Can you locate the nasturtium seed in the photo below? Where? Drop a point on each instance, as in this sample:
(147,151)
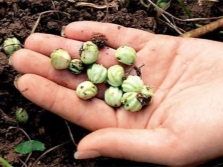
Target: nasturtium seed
(21,115)
(113,96)
(60,59)
(97,73)
(147,91)
(115,75)
(131,102)
(86,90)
(89,52)
(76,66)
(125,55)
(133,83)
(10,45)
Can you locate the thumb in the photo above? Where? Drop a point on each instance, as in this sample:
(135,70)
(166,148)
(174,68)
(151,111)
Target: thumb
(144,145)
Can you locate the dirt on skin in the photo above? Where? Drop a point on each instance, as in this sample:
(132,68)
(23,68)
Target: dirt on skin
(17,19)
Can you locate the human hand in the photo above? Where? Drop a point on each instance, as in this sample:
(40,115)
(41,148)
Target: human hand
(181,127)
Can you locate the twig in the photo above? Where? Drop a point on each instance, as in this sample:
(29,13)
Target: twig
(172,25)
(183,20)
(91,5)
(143,4)
(27,158)
(70,133)
(107,13)
(161,13)
(113,4)
(23,163)
(12,127)
(6,117)
(46,152)
(204,29)
(38,20)
(54,8)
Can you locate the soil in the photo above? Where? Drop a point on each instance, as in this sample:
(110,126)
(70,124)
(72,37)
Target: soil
(18,17)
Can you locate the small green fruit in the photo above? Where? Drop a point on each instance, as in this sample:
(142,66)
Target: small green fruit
(113,96)
(22,115)
(125,55)
(76,66)
(147,91)
(132,84)
(145,96)
(115,75)
(89,52)
(131,102)
(97,73)
(60,59)
(86,90)
(11,45)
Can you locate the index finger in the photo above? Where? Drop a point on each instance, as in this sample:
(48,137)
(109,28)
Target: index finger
(117,35)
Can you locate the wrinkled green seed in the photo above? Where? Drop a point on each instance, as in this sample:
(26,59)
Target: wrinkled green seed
(147,91)
(76,66)
(115,75)
(113,96)
(97,73)
(132,84)
(125,55)
(86,90)
(60,59)
(130,102)
(89,52)
(21,115)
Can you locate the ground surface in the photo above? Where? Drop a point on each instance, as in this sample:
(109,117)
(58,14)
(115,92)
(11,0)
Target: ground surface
(17,18)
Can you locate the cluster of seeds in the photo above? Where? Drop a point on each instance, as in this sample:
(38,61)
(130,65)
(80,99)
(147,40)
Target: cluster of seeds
(128,90)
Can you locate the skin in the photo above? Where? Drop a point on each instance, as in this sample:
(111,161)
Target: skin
(181,127)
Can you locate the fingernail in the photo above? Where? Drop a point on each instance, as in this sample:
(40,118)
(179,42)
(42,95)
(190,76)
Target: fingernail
(62,31)
(86,154)
(16,80)
(10,60)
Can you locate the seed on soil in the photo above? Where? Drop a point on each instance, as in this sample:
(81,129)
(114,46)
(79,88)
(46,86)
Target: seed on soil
(11,45)
(21,115)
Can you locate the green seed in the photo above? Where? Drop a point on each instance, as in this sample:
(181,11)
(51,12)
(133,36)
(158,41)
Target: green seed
(131,102)
(21,115)
(113,96)
(76,66)
(11,45)
(115,75)
(132,84)
(89,52)
(125,55)
(86,90)
(147,91)
(97,73)
(60,59)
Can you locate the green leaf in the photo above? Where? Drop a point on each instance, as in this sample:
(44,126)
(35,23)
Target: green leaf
(30,146)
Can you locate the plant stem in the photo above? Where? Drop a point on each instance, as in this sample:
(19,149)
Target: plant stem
(185,8)
(4,162)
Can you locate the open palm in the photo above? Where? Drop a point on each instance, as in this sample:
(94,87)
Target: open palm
(182,126)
